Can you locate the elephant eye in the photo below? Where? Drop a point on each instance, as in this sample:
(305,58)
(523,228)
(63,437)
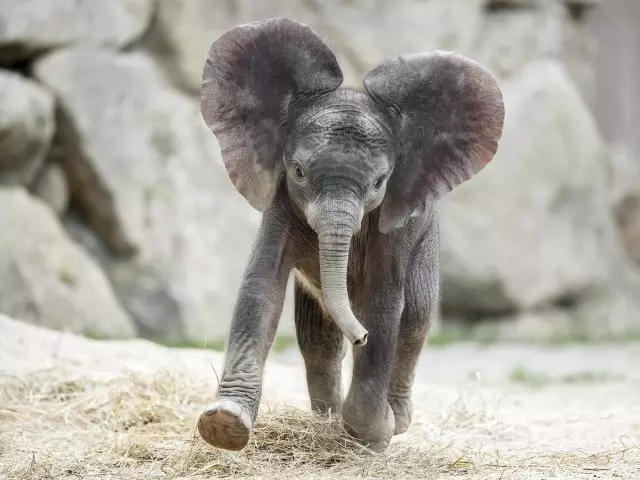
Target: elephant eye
(379,181)
(298,171)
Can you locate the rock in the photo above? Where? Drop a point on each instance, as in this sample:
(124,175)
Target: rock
(185,30)
(140,289)
(616,104)
(53,188)
(147,174)
(516,32)
(528,230)
(623,170)
(503,35)
(46,279)
(29,27)
(599,321)
(26,127)
(519,32)
(493,5)
(628,217)
(156,310)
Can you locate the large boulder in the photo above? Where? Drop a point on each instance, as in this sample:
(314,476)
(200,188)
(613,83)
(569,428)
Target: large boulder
(28,27)
(516,32)
(147,175)
(185,30)
(26,127)
(528,230)
(623,175)
(616,104)
(52,187)
(504,35)
(48,280)
(628,216)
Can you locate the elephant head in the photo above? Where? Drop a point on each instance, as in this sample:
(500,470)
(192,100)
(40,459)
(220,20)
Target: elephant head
(425,124)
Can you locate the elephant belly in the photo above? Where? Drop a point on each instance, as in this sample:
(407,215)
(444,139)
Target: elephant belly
(315,291)
(310,287)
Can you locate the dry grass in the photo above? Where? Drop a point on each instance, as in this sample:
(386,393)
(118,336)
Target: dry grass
(54,424)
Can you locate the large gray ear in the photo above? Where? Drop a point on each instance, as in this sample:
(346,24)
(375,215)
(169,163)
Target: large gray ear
(256,77)
(447,114)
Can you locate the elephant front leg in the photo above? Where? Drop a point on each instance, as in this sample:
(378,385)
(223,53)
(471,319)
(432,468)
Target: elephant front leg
(227,423)
(412,335)
(421,299)
(366,411)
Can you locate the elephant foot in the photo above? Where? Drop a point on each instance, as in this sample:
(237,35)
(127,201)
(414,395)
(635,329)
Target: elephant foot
(402,412)
(225,424)
(376,437)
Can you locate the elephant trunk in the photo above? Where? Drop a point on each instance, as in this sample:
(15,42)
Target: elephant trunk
(335,225)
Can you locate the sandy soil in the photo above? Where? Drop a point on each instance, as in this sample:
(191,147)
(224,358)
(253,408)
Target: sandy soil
(500,412)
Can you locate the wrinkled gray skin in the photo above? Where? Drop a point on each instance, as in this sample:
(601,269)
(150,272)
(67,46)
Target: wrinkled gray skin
(348,183)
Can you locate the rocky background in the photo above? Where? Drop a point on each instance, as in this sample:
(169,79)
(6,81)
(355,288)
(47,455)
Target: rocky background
(119,220)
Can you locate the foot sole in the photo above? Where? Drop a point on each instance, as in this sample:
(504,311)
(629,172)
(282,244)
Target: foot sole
(225,424)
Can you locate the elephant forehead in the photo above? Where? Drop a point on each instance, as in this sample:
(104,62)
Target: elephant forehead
(333,162)
(347,123)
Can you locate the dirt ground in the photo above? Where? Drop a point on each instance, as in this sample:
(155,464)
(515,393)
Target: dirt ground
(71,407)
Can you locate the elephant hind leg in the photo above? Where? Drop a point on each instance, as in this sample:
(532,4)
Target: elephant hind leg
(322,346)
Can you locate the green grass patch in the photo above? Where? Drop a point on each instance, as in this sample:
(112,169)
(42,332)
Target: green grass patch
(581,337)
(489,334)
(528,377)
(67,278)
(281,343)
(591,377)
(453,335)
(217,345)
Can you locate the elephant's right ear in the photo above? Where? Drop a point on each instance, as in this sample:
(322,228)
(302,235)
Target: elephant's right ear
(255,73)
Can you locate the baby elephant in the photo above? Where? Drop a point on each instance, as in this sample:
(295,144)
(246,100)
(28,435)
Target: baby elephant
(348,183)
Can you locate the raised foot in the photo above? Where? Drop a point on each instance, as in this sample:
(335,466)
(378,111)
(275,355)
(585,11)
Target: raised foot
(374,436)
(225,424)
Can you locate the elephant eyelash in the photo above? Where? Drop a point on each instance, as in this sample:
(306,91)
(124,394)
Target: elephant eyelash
(298,172)
(379,181)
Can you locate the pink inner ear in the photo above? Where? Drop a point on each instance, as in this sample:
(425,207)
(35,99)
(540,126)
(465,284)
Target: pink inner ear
(484,161)
(233,172)
(252,72)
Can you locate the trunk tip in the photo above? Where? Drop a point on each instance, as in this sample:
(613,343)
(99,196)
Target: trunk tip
(359,342)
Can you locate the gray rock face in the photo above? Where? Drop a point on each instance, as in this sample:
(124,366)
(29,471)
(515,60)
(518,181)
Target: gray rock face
(501,35)
(512,37)
(53,188)
(185,30)
(628,216)
(26,127)
(544,232)
(616,103)
(527,231)
(28,27)
(46,279)
(140,289)
(514,33)
(147,174)
(624,185)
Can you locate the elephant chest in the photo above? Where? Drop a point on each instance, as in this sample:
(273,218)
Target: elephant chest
(307,274)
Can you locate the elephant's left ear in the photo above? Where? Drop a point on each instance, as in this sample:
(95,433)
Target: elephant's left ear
(447,114)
